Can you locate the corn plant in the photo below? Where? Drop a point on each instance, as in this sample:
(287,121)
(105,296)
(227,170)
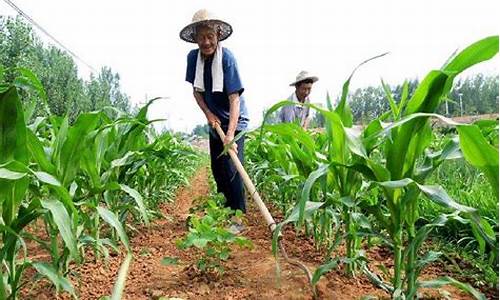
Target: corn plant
(273,169)
(77,178)
(334,164)
(467,183)
(19,208)
(402,180)
(396,160)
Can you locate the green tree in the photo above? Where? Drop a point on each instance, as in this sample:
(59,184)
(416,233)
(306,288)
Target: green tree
(104,90)
(67,93)
(17,43)
(477,94)
(201,130)
(59,75)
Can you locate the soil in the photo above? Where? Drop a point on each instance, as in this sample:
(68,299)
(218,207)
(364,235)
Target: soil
(249,273)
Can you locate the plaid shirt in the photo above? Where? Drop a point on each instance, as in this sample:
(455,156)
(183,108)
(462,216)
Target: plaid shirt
(294,113)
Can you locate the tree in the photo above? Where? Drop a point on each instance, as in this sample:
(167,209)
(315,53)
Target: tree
(370,102)
(201,130)
(17,44)
(67,93)
(59,75)
(478,94)
(105,91)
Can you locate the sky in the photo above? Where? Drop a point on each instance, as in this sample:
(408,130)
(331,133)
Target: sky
(272,42)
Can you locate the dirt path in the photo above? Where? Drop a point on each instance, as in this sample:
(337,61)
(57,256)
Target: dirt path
(250,274)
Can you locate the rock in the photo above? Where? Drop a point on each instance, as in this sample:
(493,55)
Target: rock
(156,294)
(204,289)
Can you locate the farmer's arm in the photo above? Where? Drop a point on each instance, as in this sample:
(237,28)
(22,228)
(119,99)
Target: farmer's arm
(307,119)
(306,122)
(234,88)
(211,118)
(234,114)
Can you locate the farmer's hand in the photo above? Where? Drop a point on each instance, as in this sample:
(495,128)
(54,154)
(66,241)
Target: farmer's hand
(212,119)
(227,140)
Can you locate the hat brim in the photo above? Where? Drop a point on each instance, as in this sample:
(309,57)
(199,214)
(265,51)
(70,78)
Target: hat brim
(314,79)
(188,33)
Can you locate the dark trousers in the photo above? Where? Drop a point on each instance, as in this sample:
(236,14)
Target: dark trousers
(226,176)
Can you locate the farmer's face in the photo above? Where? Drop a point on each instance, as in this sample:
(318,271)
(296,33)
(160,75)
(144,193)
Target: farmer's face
(303,90)
(206,38)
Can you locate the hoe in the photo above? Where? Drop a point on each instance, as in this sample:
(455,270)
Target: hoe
(264,211)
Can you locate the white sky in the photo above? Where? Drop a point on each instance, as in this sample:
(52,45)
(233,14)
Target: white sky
(272,42)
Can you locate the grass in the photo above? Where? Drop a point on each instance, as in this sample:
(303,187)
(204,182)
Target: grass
(469,187)
(466,265)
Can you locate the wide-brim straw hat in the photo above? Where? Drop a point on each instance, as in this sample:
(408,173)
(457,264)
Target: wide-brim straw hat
(204,16)
(304,75)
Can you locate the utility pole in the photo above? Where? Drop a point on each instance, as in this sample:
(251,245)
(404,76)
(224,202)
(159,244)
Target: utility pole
(461,107)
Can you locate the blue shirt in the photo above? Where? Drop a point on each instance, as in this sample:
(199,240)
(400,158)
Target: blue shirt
(218,102)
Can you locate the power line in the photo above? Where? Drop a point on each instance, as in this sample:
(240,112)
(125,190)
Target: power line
(29,19)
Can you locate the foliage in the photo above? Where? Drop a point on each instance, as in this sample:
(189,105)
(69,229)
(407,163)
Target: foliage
(477,94)
(83,180)
(201,130)
(371,182)
(66,93)
(209,234)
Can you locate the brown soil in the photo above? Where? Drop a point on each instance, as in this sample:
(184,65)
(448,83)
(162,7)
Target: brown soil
(201,144)
(249,274)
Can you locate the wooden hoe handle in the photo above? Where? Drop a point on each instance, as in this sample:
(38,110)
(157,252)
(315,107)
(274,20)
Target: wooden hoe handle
(248,183)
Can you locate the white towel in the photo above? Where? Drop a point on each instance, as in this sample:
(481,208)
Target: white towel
(217,72)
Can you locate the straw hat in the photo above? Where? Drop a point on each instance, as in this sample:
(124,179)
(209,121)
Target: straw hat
(303,75)
(204,16)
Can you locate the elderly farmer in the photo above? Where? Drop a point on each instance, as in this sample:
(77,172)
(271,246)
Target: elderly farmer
(217,88)
(298,113)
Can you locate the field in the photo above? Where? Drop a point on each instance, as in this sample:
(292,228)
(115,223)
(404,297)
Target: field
(103,206)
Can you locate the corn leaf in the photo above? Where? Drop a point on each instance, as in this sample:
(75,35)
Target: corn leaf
(63,222)
(122,278)
(479,153)
(57,279)
(111,218)
(138,199)
(437,283)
